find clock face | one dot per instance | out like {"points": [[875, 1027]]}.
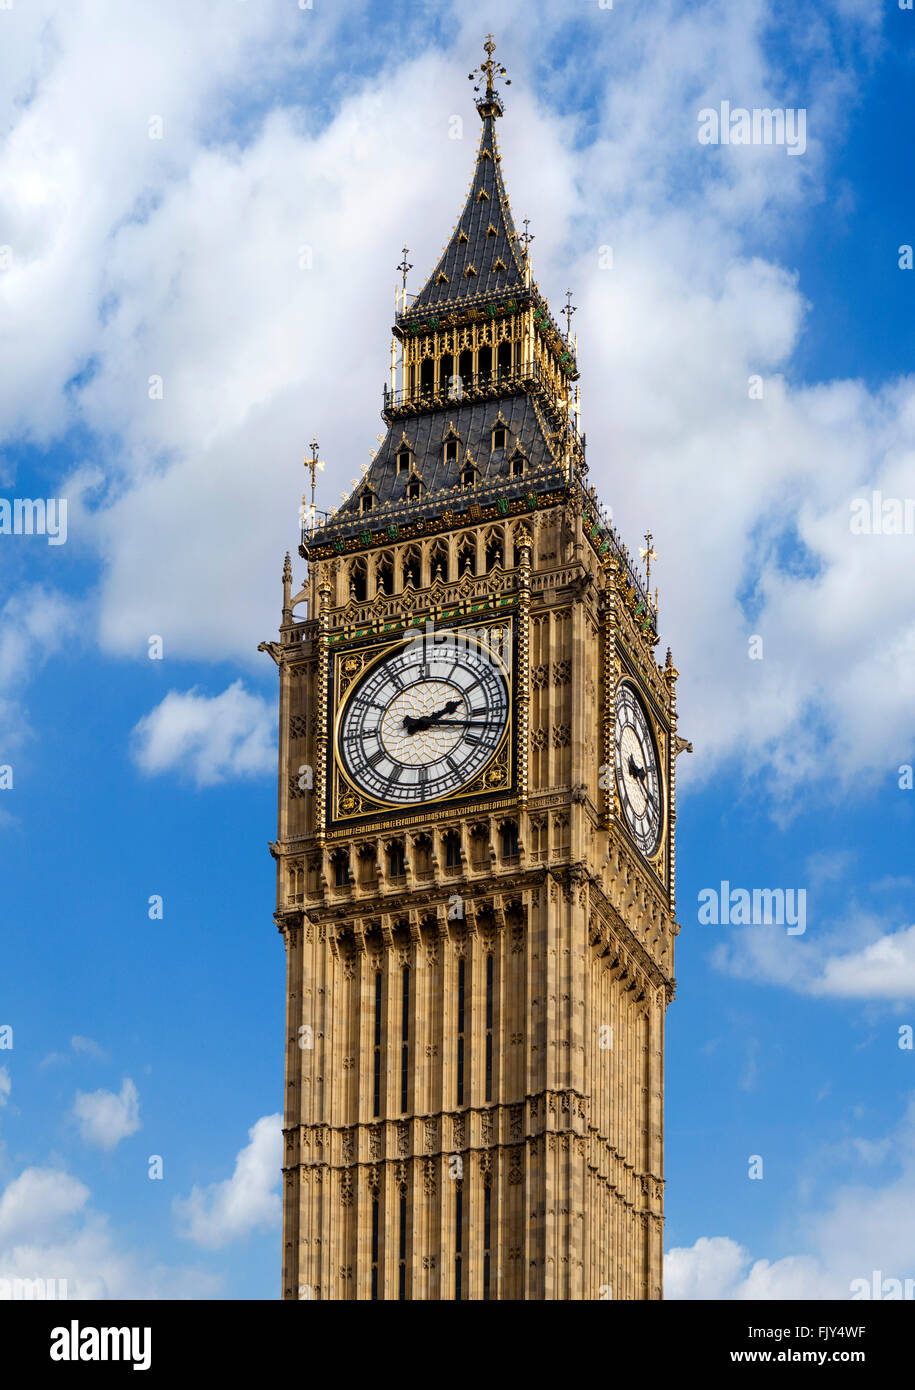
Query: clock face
{"points": [[424, 720], [637, 776]]}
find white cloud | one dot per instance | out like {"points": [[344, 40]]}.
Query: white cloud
{"points": [[35, 623], [226, 1211], [860, 1230], [105, 1118], [885, 969], [854, 959], [48, 1231], [36, 1201], [210, 738], [6, 1085], [88, 1048]]}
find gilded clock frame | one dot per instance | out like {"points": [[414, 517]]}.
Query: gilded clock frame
{"points": [[659, 860], [348, 804]]}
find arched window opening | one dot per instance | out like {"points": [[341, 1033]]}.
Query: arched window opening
{"points": [[385, 575]]}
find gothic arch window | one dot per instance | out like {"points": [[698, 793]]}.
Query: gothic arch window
{"points": [[366, 869], [479, 846], [494, 550], [505, 359], [397, 861], [422, 855], [439, 562], [358, 579], [340, 865], [467, 555], [451, 844], [509, 833], [411, 566], [384, 573]]}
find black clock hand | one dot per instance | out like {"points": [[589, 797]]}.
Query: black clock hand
{"points": [[459, 723], [637, 772], [415, 724]]}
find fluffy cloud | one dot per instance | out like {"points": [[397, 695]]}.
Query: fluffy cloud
{"points": [[35, 622], [6, 1085], [885, 969], [210, 738], [48, 1231], [862, 1229], [854, 959], [226, 1211], [105, 1118]]}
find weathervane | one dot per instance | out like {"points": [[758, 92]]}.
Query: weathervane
{"points": [[648, 553], [569, 310], [405, 266], [313, 464], [526, 237], [489, 69]]}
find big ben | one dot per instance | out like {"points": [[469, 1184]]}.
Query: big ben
{"points": [[475, 847]]}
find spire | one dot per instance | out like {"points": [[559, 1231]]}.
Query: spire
{"points": [[483, 259]]}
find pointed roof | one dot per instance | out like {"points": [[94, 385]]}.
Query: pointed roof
{"points": [[483, 257]]}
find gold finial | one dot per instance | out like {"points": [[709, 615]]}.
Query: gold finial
{"points": [[405, 266], [648, 553], [489, 104], [526, 237]]}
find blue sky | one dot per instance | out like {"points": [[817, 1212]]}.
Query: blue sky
{"points": [[133, 777]]}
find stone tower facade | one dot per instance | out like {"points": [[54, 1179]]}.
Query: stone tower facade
{"points": [[475, 849]]}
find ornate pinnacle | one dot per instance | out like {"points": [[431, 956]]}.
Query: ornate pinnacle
{"points": [[405, 266], [569, 310], [314, 466], [648, 553], [489, 103]]}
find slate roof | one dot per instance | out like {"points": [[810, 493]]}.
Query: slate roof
{"points": [[483, 240], [425, 436]]}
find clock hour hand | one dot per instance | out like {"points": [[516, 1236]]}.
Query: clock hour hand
{"points": [[414, 724], [637, 772]]}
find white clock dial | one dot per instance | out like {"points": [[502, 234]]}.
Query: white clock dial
{"points": [[423, 721], [637, 775]]}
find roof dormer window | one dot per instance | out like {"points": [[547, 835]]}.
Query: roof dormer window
{"points": [[468, 475], [451, 450], [414, 490], [403, 461], [499, 436], [518, 462], [366, 502]]}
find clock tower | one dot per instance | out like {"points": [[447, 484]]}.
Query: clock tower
{"points": [[475, 850]]}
